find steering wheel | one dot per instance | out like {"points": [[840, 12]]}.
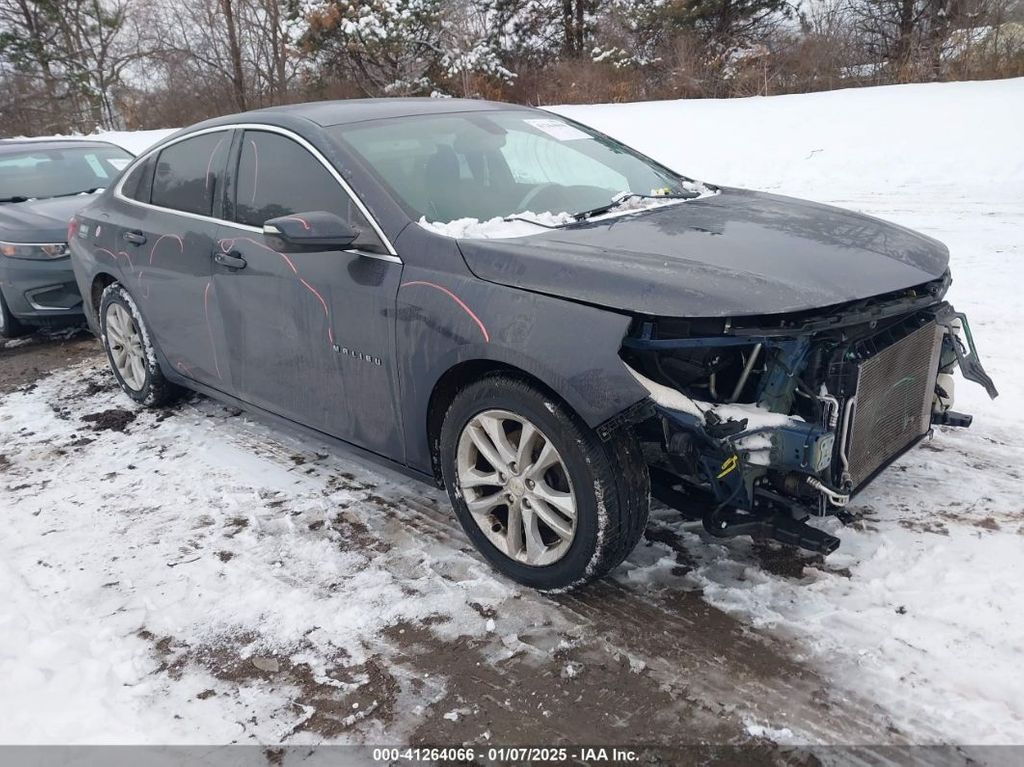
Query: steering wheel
{"points": [[533, 194]]}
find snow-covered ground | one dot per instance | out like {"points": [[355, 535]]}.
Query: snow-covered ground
{"points": [[197, 577]]}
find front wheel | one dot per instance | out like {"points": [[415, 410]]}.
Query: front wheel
{"points": [[130, 351], [540, 495]]}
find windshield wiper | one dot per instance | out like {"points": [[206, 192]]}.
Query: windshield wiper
{"points": [[15, 198], [619, 199], [83, 191]]}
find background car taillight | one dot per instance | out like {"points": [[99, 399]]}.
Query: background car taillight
{"points": [[72, 227]]}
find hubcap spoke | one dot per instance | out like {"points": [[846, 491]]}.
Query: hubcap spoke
{"points": [[535, 546], [562, 502], [514, 532], [548, 457], [496, 432], [126, 350], [485, 446], [476, 478], [139, 375], [485, 503], [527, 438], [558, 524]]}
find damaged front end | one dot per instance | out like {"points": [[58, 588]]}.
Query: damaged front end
{"points": [[759, 423]]}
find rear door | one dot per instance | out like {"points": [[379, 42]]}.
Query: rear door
{"points": [[164, 237], [310, 335]]}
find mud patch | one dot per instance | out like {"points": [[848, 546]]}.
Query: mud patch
{"points": [[580, 692], [924, 526], [327, 701], [114, 419], [784, 560], [38, 355]]}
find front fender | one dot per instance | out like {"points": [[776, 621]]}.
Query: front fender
{"points": [[444, 320]]}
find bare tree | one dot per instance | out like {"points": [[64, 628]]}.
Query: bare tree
{"points": [[79, 50]]}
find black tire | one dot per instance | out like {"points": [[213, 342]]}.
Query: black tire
{"points": [[9, 326], [610, 480], [156, 390]]}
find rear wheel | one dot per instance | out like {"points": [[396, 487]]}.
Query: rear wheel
{"points": [[539, 494], [9, 326], [129, 350]]}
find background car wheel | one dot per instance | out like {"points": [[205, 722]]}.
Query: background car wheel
{"points": [[130, 351], [539, 494], [9, 326]]}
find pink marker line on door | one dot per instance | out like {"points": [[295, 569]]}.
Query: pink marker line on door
{"points": [[228, 244], [457, 300], [305, 224]]}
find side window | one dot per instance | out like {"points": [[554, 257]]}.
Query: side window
{"points": [[138, 184], [189, 174], [278, 177]]}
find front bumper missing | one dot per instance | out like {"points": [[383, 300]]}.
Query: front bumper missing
{"points": [[733, 495], [768, 480]]}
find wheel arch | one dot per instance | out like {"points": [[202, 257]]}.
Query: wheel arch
{"points": [[100, 282], [459, 376]]}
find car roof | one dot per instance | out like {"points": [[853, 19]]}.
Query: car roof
{"points": [[10, 146], [329, 113]]}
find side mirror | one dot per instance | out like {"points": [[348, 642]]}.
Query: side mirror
{"points": [[318, 230]]}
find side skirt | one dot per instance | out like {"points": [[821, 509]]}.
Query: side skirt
{"points": [[298, 429]]}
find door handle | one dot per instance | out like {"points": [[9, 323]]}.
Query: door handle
{"points": [[135, 238], [231, 260]]}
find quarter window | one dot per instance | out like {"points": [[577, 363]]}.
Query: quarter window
{"points": [[139, 182], [189, 174], [278, 177]]}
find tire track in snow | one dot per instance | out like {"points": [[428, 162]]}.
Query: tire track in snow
{"points": [[700, 652]]}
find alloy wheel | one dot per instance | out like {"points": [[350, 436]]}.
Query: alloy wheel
{"points": [[126, 348], [516, 487]]}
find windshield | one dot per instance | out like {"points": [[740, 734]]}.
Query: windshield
{"points": [[486, 165], [38, 172]]}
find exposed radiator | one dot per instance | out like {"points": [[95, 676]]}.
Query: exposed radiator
{"points": [[894, 387]]}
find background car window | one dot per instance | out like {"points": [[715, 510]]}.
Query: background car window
{"points": [[189, 173], [40, 172], [277, 177]]}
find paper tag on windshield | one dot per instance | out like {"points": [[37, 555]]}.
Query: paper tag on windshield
{"points": [[119, 163], [97, 168], [558, 129]]}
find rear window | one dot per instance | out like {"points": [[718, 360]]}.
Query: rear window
{"points": [[189, 174]]}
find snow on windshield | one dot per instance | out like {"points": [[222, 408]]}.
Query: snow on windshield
{"points": [[528, 223]]}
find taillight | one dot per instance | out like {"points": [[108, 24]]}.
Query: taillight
{"points": [[72, 227]]}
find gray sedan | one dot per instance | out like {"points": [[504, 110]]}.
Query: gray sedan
{"points": [[42, 184], [540, 319]]}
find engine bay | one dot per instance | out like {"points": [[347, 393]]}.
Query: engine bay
{"points": [[762, 422]]}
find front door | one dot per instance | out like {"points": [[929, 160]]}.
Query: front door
{"points": [[310, 335]]}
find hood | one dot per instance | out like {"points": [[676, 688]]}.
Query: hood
{"points": [[40, 220], [734, 254]]}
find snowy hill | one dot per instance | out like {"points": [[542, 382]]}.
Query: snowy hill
{"points": [[957, 138]]}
